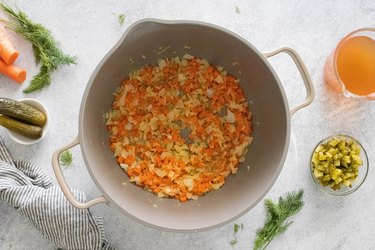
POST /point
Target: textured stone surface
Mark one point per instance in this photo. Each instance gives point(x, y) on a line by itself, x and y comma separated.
point(89, 29)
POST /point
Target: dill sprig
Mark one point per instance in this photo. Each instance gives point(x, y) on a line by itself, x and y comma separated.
point(121, 19)
point(66, 158)
point(233, 242)
point(236, 229)
point(277, 213)
point(45, 48)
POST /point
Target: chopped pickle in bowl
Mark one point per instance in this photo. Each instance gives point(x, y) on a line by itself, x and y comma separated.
point(336, 164)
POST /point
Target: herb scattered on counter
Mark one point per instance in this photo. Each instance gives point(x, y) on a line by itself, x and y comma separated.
point(277, 213)
point(233, 242)
point(66, 158)
point(236, 229)
point(45, 48)
point(238, 10)
point(121, 19)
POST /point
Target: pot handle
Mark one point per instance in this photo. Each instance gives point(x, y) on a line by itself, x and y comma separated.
point(64, 185)
point(310, 93)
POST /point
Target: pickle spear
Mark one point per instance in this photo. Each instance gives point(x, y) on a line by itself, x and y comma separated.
point(28, 130)
point(21, 111)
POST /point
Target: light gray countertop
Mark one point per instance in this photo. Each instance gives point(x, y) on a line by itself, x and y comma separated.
point(89, 29)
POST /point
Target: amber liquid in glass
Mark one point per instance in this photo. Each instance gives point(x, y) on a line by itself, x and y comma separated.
point(355, 64)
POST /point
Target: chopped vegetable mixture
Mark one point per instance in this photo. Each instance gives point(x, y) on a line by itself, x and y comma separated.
point(180, 128)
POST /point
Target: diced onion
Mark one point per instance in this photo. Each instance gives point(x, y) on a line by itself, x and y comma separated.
point(188, 57)
point(162, 64)
point(210, 93)
point(230, 117)
point(128, 126)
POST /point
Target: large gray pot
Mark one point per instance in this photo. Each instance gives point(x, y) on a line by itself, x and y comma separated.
point(143, 43)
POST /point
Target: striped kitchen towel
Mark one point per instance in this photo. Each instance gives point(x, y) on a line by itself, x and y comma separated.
point(30, 191)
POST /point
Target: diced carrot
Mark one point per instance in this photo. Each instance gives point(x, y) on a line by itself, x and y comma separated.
point(137, 171)
point(120, 159)
point(130, 159)
point(183, 198)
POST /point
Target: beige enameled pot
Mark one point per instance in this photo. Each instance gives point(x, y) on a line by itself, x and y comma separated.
point(144, 43)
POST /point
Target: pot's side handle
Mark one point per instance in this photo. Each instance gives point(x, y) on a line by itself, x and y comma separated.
point(310, 93)
point(64, 185)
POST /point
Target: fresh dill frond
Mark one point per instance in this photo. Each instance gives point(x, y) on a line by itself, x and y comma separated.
point(236, 229)
point(46, 51)
point(66, 158)
point(233, 242)
point(121, 19)
point(277, 213)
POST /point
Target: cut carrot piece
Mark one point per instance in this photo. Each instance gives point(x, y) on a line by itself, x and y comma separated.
point(13, 72)
point(7, 51)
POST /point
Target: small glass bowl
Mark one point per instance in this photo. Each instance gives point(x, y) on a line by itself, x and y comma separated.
point(362, 172)
point(23, 139)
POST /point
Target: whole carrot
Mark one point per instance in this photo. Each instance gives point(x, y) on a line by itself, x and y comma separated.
point(7, 51)
point(13, 72)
